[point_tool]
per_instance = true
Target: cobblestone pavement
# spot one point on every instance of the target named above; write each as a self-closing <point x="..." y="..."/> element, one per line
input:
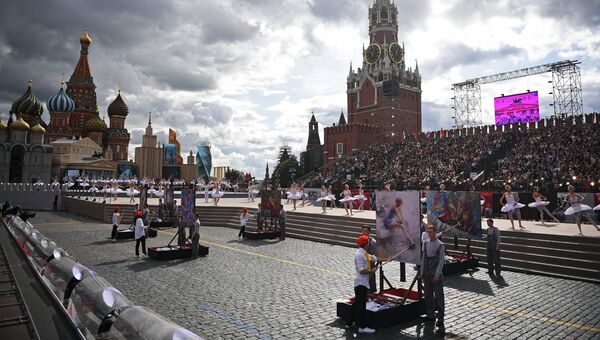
<point x="288" y="290"/>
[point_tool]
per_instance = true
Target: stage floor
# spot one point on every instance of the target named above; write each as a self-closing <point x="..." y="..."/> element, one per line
<point x="566" y="229"/>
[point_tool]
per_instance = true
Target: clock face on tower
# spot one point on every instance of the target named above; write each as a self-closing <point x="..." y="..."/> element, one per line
<point x="372" y="54"/>
<point x="396" y="53"/>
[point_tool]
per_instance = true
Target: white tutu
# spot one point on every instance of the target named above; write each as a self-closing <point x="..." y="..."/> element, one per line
<point x="360" y="197"/>
<point x="538" y="204"/>
<point x="115" y="191"/>
<point x="132" y="192"/>
<point x="482" y="202"/>
<point x="70" y="184"/>
<point x="597" y="207"/>
<point x="331" y="197"/>
<point x="347" y="199"/>
<point x="577" y="208"/>
<point x="255" y="191"/>
<point x="324" y="198"/>
<point x="217" y="194"/>
<point x="508" y="208"/>
<point x="424" y="199"/>
<point x="93" y="189"/>
<point x="294" y="196"/>
<point x="159" y="193"/>
<point x="85" y="184"/>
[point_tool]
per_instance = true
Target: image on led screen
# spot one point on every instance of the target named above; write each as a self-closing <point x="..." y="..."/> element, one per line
<point x="517" y="108"/>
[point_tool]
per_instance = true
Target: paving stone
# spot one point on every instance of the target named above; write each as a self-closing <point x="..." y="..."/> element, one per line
<point x="286" y="290"/>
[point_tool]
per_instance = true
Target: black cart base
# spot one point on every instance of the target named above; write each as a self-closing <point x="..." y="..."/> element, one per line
<point x="174" y="252"/>
<point x="460" y="264"/>
<point x="262" y="235"/>
<point x="125" y="234"/>
<point x="394" y="313"/>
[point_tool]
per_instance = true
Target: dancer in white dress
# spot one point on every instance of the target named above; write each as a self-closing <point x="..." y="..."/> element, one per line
<point x="577" y="208"/>
<point x="323" y="198"/>
<point x="540" y="204"/>
<point x="361" y="197"/>
<point x="303" y="195"/>
<point x="511" y="205"/>
<point x="331" y="197"/>
<point x="294" y="195"/>
<point x="347" y="199"/>
<point x="132" y="191"/>
<point x="217" y="194"/>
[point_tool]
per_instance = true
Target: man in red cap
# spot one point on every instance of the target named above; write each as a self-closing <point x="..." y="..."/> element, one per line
<point x="364" y="264"/>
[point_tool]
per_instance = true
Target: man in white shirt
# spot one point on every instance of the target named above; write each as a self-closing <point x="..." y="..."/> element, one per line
<point x="115" y="223"/>
<point x="364" y="265"/>
<point x="139" y="233"/>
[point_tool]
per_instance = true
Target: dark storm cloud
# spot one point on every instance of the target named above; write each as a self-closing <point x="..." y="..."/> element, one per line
<point x="220" y="25"/>
<point x="459" y="54"/>
<point x="576" y="13"/>
<point x="338" y="10"/>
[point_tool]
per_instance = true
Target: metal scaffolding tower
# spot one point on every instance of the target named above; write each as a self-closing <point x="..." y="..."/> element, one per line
<point x="566" y="90"/>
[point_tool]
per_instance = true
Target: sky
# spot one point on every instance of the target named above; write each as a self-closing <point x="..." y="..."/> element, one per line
<point x="246" y="75"/>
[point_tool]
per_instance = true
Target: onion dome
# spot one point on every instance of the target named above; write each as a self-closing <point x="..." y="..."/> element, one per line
<point x="95" y="124"/>
<point x="19" y="124"/>
<point x="28" y="104"/>
<point x="38" y="129"/>
<point x="85" y="38"/>
<point x="118" y="107"/>
<point x="3" y="126"/>
<point x="60" y="102"/>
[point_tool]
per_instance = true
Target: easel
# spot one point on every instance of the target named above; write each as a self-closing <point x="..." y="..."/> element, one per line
<point x="383" y="279"/>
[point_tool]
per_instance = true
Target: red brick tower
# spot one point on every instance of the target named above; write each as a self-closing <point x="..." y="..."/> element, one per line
<point x="82" y="90"/>
<point x="116" y="138"/>
<point x="383" y="97"/>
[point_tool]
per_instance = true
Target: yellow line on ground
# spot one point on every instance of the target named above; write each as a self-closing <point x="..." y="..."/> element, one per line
<point x="481" y="305"/>
<point x="524" y="315"/>
<point x="334" y="272"/>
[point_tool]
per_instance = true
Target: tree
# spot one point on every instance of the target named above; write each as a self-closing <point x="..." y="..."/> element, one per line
<point x="287" y="171"/>
<point x="233" y="175"/>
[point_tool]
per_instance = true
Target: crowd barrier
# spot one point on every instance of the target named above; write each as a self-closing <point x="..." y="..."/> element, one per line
<point x="96" y="308"/>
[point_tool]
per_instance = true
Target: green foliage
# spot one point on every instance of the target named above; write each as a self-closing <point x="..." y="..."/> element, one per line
<point x="234" y="176"/>
<point x="282" y="175"/>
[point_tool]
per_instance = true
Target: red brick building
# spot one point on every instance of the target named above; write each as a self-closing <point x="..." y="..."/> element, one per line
<point x="383" y="97"/>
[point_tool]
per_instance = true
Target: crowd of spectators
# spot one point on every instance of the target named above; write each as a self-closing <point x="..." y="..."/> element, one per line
<point x="547" y="157"/>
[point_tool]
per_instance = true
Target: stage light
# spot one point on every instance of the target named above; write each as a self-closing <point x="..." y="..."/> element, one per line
<point x="574" y="177"/>
<point x="568" y="183"/>
<point x="592" y="183"/>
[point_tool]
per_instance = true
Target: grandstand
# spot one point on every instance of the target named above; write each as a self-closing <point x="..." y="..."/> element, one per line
<point x="550" y="154"/>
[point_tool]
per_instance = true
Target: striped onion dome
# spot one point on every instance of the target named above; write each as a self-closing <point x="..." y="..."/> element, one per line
<point x="28" y="104"/>
<point x="118" y="107"/>
<point x="60" y="102"/>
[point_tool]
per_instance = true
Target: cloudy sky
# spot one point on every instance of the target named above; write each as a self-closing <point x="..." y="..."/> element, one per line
<point x="246" y="74"/>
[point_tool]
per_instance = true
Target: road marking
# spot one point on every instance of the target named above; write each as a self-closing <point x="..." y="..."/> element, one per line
<point x="481" y="305"/>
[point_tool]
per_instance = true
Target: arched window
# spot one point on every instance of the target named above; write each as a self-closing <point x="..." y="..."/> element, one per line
<point x="384" y="13"/>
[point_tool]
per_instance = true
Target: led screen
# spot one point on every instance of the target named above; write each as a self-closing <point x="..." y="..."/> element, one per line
<point x="517" y="108"/>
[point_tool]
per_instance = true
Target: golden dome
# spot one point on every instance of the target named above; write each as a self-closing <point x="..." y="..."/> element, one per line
<point x="38" y="129"/>
<point x="2" y="125"/>
<point x="85" y="38"/>
<point x="19" y="124"/>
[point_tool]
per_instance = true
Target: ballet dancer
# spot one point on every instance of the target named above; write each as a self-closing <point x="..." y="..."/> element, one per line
<point x="577" y="208"/>
<point x="361" y="197"/>
<point x="323" y="198"/>
<point x="511" y="205"/>
<point x="347" y="199"/>
<point x="540" y="204"/>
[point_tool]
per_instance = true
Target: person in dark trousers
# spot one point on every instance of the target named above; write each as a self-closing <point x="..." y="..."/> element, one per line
<point x="432" y="264"/>
<point x="243" y="221"/>
<point x="116" y="219"/>
<point x="372" y="250"/>
<point x="282" y="221"/>
<point x="161" y="209"/>
<point x="493" y="249"/>
<point x="196" y="237"/>
<point x="363" y="266"/>
<point x="140" y="234"/>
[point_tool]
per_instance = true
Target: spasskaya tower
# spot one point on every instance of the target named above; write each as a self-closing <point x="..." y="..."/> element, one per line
<point x="383" y="96"/>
